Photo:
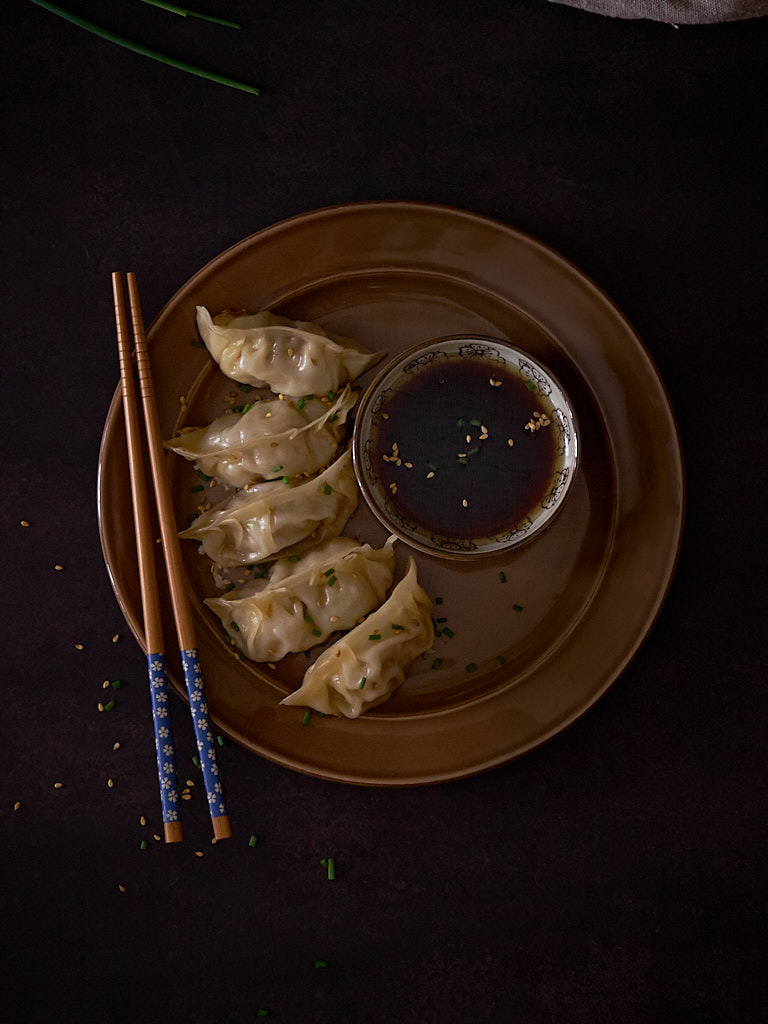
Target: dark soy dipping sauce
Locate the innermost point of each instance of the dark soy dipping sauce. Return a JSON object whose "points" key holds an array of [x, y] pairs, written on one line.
{"points": [[429, 416]]}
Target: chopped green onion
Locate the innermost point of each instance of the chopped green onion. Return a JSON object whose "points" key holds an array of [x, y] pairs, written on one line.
{"points": [[317, 632], [262, 1013], [517, 607], [502, 577], [220, 740], [244, 387], [204, 476], [116, 684], [327, 489], [329, 572], [229, 586], [321, 963], [331, 395], [308, 397], [331, 868], [396, 625], [253, 840], [437, 663], [530, 385], [196, 761], [361, 684], [473, 451], [301, 403], [234, 625], [374, 636], [331, 581], [197, 344], [276, 469], [308, 618], [463, 461], [286, 479], [197, 487], [307, 716], [110, 705], [238, 408], [471, 667], [246, 407], [449, 633], [294, 558], [476, 423], [145, 51], [332, 419]]}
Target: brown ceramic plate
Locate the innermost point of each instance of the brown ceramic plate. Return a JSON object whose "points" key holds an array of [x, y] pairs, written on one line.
{"points": [[577, 602]]}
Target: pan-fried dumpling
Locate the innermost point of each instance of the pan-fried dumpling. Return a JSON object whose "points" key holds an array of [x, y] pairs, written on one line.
{"points": [[303, 602], [267, 520], [367, 665], [272, 439], [292, 357]]}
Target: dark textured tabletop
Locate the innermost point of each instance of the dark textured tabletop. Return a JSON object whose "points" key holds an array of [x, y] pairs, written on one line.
{"points": [[616, 873]]}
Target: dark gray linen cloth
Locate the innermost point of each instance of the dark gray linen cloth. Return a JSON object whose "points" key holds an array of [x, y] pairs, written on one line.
{"points": [[675, 12]]}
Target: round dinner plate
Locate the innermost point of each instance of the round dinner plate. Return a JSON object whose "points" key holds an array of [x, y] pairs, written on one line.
{"points": [[525, 643]]}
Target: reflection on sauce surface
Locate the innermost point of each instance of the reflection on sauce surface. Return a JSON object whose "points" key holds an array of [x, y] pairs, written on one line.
{"points": [[442, 447]]}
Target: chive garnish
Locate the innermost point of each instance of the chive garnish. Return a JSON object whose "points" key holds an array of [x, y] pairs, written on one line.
{"points": [[449, 632], [196, 761], [175, 9], [396, 625], [294, 558], [145, 51], [332, 419], [437, 663], [530, 385], [276, 469], [308, 618], [331, 868], [204, 476], [473, 451], [374, 636], [331, 581], [475, 423], [246, 407], [471, 667], [460, 422], [317, 632], [307, 716], [502, 577], [327, 489], [116, 684], [301, 402], [229, 586], [220, 740], [143, 844], [286, 480], [463, 461], [110, 705], [253, 840], [361, 684], [196, 488], [329, 572], [331, 395], [517, 607], [234, 625], [321, 963]]}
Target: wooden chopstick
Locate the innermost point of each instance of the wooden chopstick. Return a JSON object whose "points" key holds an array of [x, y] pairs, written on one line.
{"points": [[153, 627], [190, 659]]}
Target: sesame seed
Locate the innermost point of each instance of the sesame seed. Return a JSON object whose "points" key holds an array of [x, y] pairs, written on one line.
{"points": [[121, 887], [510, 442], [58, 568], [269, 414], [17, 805], [199, 853], [142, 820], [186, 796], [58, 785], [334, 618], [157, 837], [408, 465], [385, 415], [110, 783], [116, 746], [190, 782], [100, 706], [430, 474], [24, 522], [464, 502], [105, 684], [78, 647], [115, 638], [468, 438]]}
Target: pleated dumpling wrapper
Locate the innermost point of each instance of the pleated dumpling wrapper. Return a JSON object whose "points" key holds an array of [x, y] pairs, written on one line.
{"points": [[272, 439], [366, 666], [302, 603], [291, 357], [265, 521]]}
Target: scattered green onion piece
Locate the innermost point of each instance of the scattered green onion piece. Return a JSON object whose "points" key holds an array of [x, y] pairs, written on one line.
{"points": [[246, 407], [502, 577], [276, 469], [301, 403], [473, 451], [471, 667], [220, 740], [438, 632], [238, 408], [332, 419], [145, 51], [530, 385], [204, 476], [229, 586], [307, 716], [308, 397], [321, 963], [234, 625], [244, 387], [197, 487], [517, 607], [308, 618], [110, 705], [324, 863], [294, 558], [460, 422], [361, 684], [196, 761], [317, 632], [449, 633], [396, 625], [463, 461], [327, 489], [476, 423], [374, 636], [198, 344], [253, 840], [117, 684], [331, 868], [331, 395], [437, 663], [262, 1013], [329, 572], [286, 480]]}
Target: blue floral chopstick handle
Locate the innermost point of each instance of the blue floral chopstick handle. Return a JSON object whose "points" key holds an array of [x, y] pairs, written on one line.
{"points": [[166, 755], [206, 748]]}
